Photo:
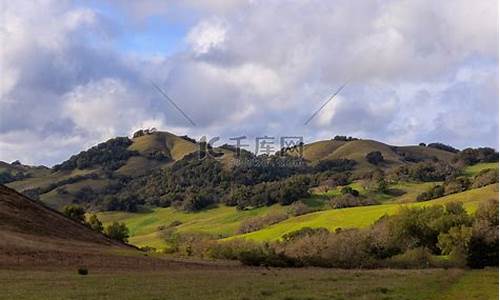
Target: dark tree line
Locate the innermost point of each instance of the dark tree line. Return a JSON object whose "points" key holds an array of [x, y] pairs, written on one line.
{"points": [[110, 155]]}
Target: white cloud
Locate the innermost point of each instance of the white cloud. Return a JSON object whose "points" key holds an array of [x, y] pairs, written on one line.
{"points": [[207, 35], [420, 70]]}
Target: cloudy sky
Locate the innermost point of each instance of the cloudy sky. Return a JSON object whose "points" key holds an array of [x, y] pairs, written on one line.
{"points": [[74, 73]]}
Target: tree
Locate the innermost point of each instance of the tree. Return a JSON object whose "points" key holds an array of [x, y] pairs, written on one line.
{"points": [[349, 190], [75, 212], [375, 157], [94, 223], [117, 231]]}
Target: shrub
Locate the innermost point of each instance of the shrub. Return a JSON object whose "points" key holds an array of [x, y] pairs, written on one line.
{"points": [[411, 259], [299, 208], [257, 223], [472, 156], [75, 212], [117, 231], [335, 165], [83, 271], [456, 185], [303, 232], [231, 249], [434, 192], [349, 190], [196, 201], [485, 177], [483, 245], [344, 138], [374, 157], [348, 200], [443, 147], [425, 171], [94, 223], [349, 249], [456, 242]]}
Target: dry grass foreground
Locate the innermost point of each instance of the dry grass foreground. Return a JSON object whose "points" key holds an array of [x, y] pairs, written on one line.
{"points": [[246, 283]]}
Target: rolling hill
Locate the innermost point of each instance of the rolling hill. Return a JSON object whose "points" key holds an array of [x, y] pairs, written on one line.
{"points": [[31, 233], [358, 149], [151, 151]]}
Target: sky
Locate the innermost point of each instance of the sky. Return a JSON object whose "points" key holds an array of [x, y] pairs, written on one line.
{"points": [[76, 73]]}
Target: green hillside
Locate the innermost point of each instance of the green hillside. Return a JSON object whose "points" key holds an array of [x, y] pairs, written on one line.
{"points": [[475, 169], [365, 215], [119, 158], [358, 149], [224, 221]]}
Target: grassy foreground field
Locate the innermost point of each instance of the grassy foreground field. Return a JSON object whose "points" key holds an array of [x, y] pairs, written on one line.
{"points": [[251, 283]]}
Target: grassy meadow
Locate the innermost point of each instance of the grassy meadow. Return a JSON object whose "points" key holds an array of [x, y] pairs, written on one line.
{"points": [[251, 283], [224, 221]]}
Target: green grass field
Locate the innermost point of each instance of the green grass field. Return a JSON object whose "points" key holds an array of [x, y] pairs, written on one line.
{"points": [[473, 170], [365, 215], [251, 283], [224, 221]]}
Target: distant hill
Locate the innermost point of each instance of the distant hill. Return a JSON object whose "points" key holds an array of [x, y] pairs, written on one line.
{"points": [[100, 166], [358, 149], [120, 163]]}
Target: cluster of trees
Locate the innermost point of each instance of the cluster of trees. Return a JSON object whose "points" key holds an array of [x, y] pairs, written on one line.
{"points": [[442, 146], [258, 223], [7, 176], [117, 231], [344, 138], [192, 184], [351, 200], [408, 239], [143, 132], [424, 172], [284, 192], [375, 157], [334, 165], [471, 156], [110, 155], [459, 184]]}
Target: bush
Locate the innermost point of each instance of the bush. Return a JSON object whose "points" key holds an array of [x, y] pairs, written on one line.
{"points": [[303, 232], [433, 193], [94, 223], [425, 172], [348, 200], [344, 138], [406, 240], [456, 185], [196, 201], [258, 223], [485, 177], [83, 271], [472, 156], [375, 157], [412, 259], [335, 165], [443, 147], [75, 212], [349, 190], [483, 245], [117, 231], [299, 208]]}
